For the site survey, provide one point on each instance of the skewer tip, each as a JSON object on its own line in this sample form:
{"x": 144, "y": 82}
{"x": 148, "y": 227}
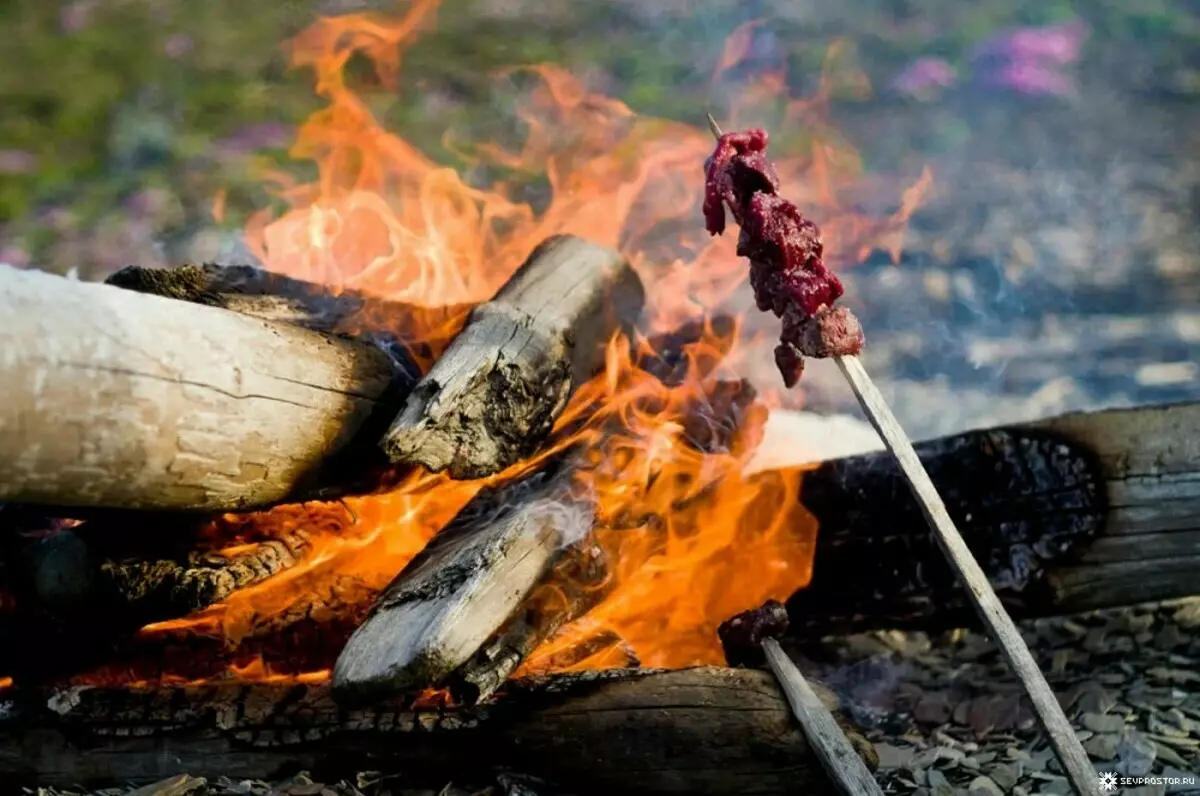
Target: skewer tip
{"x": 712, "y": 125}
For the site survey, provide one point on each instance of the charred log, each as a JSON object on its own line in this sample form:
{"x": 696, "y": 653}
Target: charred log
{"x": 464, "y": 585}
{"x": 702, "y": 731}
{"x": 259, "y": 293}
{"x": 1065, "y": 515}
{"x": 492, "y": 398}
{"x": 578, "y": 581}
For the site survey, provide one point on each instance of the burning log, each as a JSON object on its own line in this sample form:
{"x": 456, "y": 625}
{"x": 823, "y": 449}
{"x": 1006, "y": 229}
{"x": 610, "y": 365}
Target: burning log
{"x": 579, "y": 581}
{"x": 1066, "y": 515}
{"x": 115, "y": 398}
{"x": 458, "y": 591}
{"x": 263, "y": 294}
{"x": 704, "y": 731}
{"x": 492, "y": 398}
{"x": 126, "y": 579}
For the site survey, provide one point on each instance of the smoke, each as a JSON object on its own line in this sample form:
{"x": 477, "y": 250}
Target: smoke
{"x": 572, "y": 517}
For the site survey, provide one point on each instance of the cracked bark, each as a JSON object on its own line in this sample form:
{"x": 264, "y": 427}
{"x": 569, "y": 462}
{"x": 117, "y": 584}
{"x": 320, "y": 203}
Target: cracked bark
{"x": 116, "y": 398}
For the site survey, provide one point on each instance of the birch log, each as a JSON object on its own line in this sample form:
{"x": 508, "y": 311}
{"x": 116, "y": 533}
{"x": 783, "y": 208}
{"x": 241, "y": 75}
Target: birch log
{"x": 110, "y": 397}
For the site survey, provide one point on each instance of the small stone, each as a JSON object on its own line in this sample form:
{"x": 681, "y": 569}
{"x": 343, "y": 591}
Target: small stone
{"x": 1017, "y": 753}
{"x": 1169, "y": 755}
{"x": 1058, "y": 786}
{"x": 1102, "y": 746}
{"x": 1005, "y": 775}
{"x": 984, "y": 786}
{"x": 1097, "y": 722}
{"x": 933, "y": 708}
{"x": 1174, "y": 676}
{"x": 1183, "y": 780}
{"x": 1136, "y": 754}
{"x": 1188, "y": 616}
{"x": 1176, "y": 717}
{"x": 1096, "y": 640}
{"x": 1160, "y": 727}
{"x": 1091, "y": 697}
{"x": 892, "y": 756}
{"x": 937, "y": 779}
{"x": 1187, "y": 744}
{"x": 1145, "y": 790}
{"x": 1170, "y": 638}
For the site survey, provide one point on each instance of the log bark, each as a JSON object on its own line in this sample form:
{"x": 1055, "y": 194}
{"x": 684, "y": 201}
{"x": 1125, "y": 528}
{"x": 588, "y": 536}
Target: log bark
{"x": 484, "y": 407}
{"x": 462, "y": 588}
{"x": 703, "y": 731}
{"x": 1067, "y": 515}
{"x": 579, "y": 581}
{"x": 423, "y": 332}
{"x": 116, "y": 398}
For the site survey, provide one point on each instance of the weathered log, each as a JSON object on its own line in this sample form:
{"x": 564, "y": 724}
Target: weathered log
{"x": 423, "y": 331}
{"x": 1071, "y": 514}
{"x": 464, "y": 585}
{"x": 115, "y": 398}
{"x": 703, "y": 731}
{"x": 485, "y": 406}
{"x": 579, "y": 580}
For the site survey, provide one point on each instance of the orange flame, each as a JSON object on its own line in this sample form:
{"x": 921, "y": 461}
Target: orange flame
{"x": 691, "y": 541}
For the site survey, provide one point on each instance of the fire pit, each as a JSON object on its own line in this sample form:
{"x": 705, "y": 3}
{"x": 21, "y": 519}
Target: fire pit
{"x": 451, "y": 485}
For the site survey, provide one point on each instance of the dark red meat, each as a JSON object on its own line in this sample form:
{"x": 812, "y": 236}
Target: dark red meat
{"x": 787, "y": 273}
{"x": 742, "y": 635}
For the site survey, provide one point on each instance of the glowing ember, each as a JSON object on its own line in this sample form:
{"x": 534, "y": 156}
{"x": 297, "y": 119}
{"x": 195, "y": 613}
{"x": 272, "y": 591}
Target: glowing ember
{"x": 692, "y": 541}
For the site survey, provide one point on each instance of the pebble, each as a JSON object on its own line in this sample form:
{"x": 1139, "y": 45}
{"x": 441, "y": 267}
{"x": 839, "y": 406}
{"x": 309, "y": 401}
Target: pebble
{"x": 1136, "y": 754}
{"x": 892, "y": 756}
{"x": 1102, "y": 746}
{"x": 984, "y": 786}
{"x": 1005, "y": 775}
{"x": 1097, "y": 722}
{"x": 1169, "y": 755}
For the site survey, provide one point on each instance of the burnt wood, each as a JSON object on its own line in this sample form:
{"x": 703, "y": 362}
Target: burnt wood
{"x": 493, "y": 396}
{"x": 703, "y": 731}
{"x": 1071, "y": 514}
{"x": 465, "y": 585}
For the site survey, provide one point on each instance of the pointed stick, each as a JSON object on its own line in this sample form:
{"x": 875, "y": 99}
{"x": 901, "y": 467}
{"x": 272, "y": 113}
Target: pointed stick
{"x": 1004, "y": 632}
{"x": 831, "y": 746}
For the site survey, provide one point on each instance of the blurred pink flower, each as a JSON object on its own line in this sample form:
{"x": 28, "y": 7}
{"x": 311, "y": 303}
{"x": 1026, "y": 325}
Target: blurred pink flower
{"x": 1060, "y": 43}
{"x": 14, "y": 255}
{"x": 1029, "y": 78}
{"x": 76, "y": 15}
{"x": 178, "y": 45}
{"x": 17, "y": 161}
{"x": 1030, "y": 60}
{"x": 924, "y": 75}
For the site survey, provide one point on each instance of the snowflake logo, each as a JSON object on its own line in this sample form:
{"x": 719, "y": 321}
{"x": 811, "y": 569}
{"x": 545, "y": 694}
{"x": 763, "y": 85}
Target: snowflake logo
{"x": 1108, "y": 781}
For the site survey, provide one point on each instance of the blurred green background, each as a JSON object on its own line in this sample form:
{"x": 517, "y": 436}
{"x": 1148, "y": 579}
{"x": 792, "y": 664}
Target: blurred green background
{"x": 121, "y": 119}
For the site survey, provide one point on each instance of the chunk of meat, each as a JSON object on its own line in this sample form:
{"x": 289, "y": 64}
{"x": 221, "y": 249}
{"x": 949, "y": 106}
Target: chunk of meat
{"x": 787, "y": 272}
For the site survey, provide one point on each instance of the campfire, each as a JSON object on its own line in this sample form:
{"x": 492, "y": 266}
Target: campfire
{"x": 474, "y": 470}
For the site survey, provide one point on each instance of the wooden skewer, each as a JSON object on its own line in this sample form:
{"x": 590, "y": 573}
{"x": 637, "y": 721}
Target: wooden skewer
{"x": 1050, "y": 714}
{"x": 828, "y": 742}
